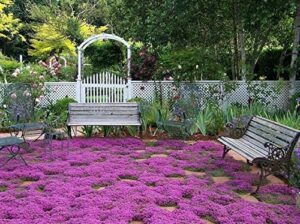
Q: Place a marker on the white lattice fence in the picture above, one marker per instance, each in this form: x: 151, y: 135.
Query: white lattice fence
x: 59, y: 90
x: 205, y: 89
x: 147, y: 90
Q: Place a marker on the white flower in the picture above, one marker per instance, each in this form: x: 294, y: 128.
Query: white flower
x: 197, y: 66
x: 262, y: 77
x: 179, y: 67
x: 37, y: 100
x: 14, y: 74
x: 4, y: 106
x: 42, y: 77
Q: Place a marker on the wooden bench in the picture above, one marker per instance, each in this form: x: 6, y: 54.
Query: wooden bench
x: 267, y: 144
x: 104, y: 114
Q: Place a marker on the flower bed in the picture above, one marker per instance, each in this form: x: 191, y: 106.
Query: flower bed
x: 106, y: 180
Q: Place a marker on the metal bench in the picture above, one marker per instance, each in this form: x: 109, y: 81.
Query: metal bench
x: 267, y: 144
x: 103, y: 114
x: 175, y: 127
x: 13, y: 144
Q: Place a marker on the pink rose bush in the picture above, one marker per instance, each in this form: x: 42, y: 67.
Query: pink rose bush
x: 108, y: 180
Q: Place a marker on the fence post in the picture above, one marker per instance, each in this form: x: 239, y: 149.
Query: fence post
x: 128, y: 90
x: 78, y: 91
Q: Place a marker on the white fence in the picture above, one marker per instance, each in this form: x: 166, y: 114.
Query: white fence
x: 165, y: 89
x: 104, y: 87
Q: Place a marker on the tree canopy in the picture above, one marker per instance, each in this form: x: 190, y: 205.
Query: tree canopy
x: 232, y: 37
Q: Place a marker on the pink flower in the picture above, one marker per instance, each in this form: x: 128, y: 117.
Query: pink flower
x: 13, y: 96
x: 26, y: 93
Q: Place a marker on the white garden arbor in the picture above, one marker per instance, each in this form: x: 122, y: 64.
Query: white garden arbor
x: 102, y: 87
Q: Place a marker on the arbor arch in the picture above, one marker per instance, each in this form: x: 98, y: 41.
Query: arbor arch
x: 92, y: 39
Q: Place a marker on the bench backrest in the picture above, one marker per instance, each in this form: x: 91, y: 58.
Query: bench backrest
x: 263, y: 130
x: 104, y: 114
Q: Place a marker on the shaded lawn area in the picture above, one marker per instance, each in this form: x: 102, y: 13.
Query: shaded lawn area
x: 106, y: 180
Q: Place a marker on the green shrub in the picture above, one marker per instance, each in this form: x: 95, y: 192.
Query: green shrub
x: 59, y: 111
x: 293, y: 102
x: 190, y: 64
x: 61, y: 105
x: 67, y: 73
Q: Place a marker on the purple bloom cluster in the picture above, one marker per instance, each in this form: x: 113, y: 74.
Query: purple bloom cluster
x: 108, y: 180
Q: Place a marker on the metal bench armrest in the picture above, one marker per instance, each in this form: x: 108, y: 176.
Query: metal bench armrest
x: 275, y: 152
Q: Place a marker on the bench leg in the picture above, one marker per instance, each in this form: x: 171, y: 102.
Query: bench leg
x: 225, y: 151
x: 14, y: 154
x: 249, y: 163
x: 261, y: 179
x: 140, y: 130
x: 69, y: 131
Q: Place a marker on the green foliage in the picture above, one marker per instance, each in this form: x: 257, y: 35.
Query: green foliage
x: 293, y: 101
x: 295, y: 174
x: 7, y: 66
x: 190, y: 64
x: 67, y: 73
x: 210, y: 120
x: 88, y: 131
x: 9, y: 25
x: 61, y: 105
x: 58, y: 30
x: 150, y: 115
x: 104, y: 54
x: 269, y: 64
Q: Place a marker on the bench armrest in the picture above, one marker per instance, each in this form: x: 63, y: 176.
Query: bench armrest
x: 275, y: 152
x: 229, y: 125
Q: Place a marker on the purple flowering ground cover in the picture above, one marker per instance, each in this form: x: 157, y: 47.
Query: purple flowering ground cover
x: 106, y: 180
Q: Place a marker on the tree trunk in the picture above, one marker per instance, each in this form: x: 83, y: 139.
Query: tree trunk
x: 295, y: 51
x: 242, y: 51
x: 235, y: 42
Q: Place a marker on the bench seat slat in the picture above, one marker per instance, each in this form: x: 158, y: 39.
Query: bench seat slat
x: 234, y: 147
x: 261, y: 149
x: 254, y: 142
x: 241, y: 146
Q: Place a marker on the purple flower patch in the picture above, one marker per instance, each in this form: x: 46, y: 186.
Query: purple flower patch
x: 101, y: 180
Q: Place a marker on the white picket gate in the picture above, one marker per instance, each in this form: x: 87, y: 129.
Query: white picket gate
x: 105, y: 87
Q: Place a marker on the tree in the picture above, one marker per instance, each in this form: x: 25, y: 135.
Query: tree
x: 59, y: 27
x: 295, y: 51
x: 9, y: 25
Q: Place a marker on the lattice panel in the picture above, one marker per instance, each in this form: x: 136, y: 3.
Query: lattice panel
x: 59, y: 90
x: 146, y: 90
x: 204, y: 90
